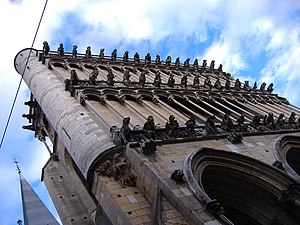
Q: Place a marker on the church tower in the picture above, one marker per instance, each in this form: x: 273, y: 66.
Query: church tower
x: 143, y: 141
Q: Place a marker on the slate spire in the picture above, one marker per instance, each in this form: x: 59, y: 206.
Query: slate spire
x: 34, y: 210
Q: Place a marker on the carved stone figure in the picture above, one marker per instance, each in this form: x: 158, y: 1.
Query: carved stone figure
x: 262, y: 87
x: 210, y: 127
x: 227, y: 84
x: 157, y: 60
x: 172, y: 126
x: 265, y: 120
x: 102, y: 98
x: 269, y: 121
x: 177, y: 62
x: 168, y: 60
x: 125, y: 131
x: 207, y: 83
x: 269, y: 118
x: 136, y: 57
x: 177, y: 176
x: 242, y: 127
x: 190, y: 124
x: 101, y: 54
x: 148, y: 145
x: 126, y: 78
x: 28, y: 127
x: 254, y: 88
x: 125, y: 56
x: 88, y: 52
x: 138, y: 98
x: 278, y: 164
x: 184, y: 81
x: 279, y: 123
x: 196, y: 64
x: 220, y: 68
x: 246, y: 86
x: 61, y: 50
x: 93, y: 76
x: 227, y: 123
x: 187, y: 62
x: 121, y: 98
x: 128, y: 178
x: 74, y: 51
x: 46, y: 48
x: 157, y: 79
x: 74, y: 78
x: 142, y: 78
x: 29, y: 116
x: 196, y: 81
x: 270, y: 88
x: 298, y: 123
x: 292, y: 121
x: 237, y: 85
x: 217, y: 84
x: 204, y: 63
x: 148, y: 58
x: 149, y: 128
x: 110, y: 77
x: 114, y: 55
x: 255, y: 123
x: 235, y: 137
x: 212, y: 65
x: 171, y: 80
x: 118, y: 167
x: 32, y: 104
x: 215, y: 208
x: 292, y: 118
x: 103, y: 168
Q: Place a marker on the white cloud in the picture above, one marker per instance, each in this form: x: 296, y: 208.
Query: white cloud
x: 277, y: 39
x: 222, y: 53
x: 284, y: 66
x: 134, y: 20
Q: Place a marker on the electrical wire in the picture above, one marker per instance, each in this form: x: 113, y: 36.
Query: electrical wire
x: 18, y: 89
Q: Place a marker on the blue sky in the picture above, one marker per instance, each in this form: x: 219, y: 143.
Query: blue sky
x: 256, y: 40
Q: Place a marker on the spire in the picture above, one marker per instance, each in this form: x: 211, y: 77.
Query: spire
x: 18, y: 168
x: 34, y: 210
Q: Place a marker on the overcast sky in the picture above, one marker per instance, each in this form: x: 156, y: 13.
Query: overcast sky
x: 255, y: 40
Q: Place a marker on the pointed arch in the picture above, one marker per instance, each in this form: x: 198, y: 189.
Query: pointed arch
x: 250, y: 191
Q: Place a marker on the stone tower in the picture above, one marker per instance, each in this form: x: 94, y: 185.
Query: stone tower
x: 143, y: 141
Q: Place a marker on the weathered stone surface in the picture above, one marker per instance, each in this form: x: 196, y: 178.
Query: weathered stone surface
x: 86, y: 116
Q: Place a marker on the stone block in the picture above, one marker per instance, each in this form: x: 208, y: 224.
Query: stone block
x: 140, y: 219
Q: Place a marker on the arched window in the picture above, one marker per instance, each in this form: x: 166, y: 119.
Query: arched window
x: 250, y: 191
x: 287, y: 151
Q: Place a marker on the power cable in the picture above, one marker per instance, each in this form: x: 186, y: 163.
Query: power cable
x: 18, y: 89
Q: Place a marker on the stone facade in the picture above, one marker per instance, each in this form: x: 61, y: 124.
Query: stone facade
x: 150, y: 142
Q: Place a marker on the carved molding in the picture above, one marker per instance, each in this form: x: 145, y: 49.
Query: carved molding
x: 118, y: 167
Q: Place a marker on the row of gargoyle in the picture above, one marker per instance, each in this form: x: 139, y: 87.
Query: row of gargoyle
x: 136, y: 57
x: 258, y: 123
x: 171, y: 81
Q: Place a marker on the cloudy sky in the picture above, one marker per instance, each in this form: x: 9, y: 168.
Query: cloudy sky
x: 255, y: 40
